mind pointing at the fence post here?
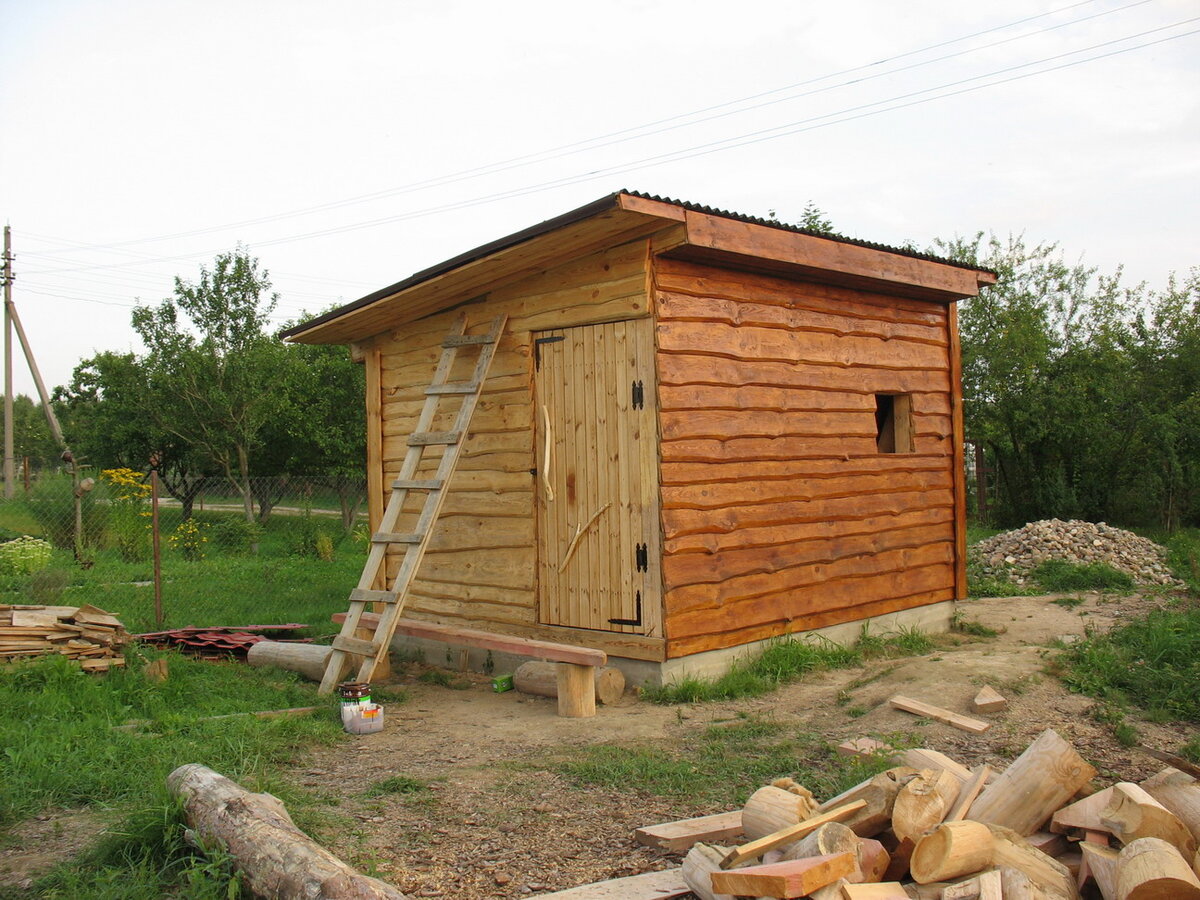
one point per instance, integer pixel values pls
(158, 607)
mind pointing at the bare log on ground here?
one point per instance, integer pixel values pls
(276, 858)
(1180, 793)
(879, 793)
(771, 808)
(1040, 781)
(1152, 869)
(952, 850)
(540, 678)
(305, 659)
(1133, 813)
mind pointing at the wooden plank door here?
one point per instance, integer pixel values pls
(598, 556)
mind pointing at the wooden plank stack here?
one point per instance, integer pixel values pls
(932, 829)
(84, 633)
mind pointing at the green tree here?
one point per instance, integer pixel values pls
(108, 420)
(212, 371)
(32, 439)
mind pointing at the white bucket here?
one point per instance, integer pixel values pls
(362, 718)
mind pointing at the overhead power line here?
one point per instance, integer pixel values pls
(648, 129)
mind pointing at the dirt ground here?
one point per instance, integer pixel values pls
(488, 829)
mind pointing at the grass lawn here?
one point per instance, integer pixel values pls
(58, 747)
(284, 582)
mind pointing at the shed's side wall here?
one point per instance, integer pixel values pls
(779, 513)
(480, 568)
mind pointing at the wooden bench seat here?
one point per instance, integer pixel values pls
(576, 665)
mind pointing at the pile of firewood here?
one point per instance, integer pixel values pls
(84, 633)
(931, 829)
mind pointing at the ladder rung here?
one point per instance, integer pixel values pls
(425, 438)
(468, 340)
(417, 484)
(354, 645)
(452, 387)
(359, 595)
(387, 537)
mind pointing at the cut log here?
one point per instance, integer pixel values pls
(1100, 867)
(1082, 815)
(1016, 885)
(305, 659)
(831, 838)
(878, 794)
(1150, 868)
(793, 878)
(576, 690)
(1048, 875)
(698, 868)
(1049, 843)
(1133, 813)
(664, 885)
(873, 859)
(1040, 780)
(540, 678)
(275, 857)
(1180, 793)
(984, 886)
(771, 808)
(989, 700)
(921, 758)
(887, 890)
(681, 835)
(788, 835)
(969, 792)
(952, 850)
(938, 714)
(923, 803)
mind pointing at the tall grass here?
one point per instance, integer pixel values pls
(1152, 662)
(60, 749)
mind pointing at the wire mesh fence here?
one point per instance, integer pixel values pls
(284, 548)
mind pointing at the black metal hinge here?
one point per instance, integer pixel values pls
(641, 555)
(636, 621)
(537, 348)
(639, 395)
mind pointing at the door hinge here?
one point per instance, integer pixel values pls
(641, 556)
(537, 347)
(639, 395)
(634, 621)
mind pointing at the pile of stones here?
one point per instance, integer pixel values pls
(1015, 554)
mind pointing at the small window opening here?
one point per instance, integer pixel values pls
(893, 423)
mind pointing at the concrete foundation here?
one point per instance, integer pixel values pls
(935, 618)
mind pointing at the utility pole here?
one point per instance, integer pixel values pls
(8, 370)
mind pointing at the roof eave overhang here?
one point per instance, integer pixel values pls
(708, 237)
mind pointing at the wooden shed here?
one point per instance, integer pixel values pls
(700, 431)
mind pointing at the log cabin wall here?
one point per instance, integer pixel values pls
(480, 568)
(780, 512)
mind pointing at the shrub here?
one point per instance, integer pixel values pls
(310, 538)
(24, 556)
(235, 535)
(189, 540)
(128, 521)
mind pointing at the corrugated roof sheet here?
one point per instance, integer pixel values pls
(583, 212)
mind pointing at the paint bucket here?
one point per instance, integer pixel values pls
(362, 718)
(359, 714)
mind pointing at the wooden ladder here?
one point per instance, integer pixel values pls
(346, 645)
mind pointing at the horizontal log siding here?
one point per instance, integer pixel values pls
(779, 514)
(480, 567)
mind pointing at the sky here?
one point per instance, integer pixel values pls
(350, 145)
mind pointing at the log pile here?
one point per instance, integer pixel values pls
(84, 633)
(931, 829)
